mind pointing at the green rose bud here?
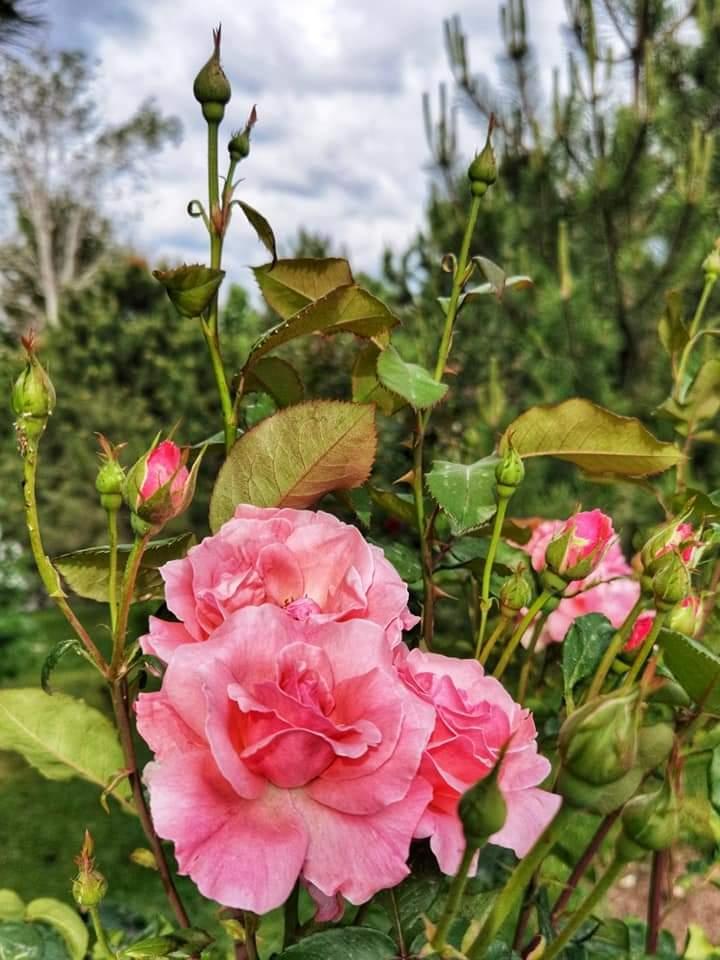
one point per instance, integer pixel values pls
(110, 480)
(598, 799)
(482, 809)
(191, 287)
(711, 263)
(212, 87)
(33, 395)
(515, 594)
(89, 886)
(509, 473)
(599, 742)
(239, 146)
(684, 615)
(676, 535)
(482, 172)
(654, 744)
(650, 822)
(671, 582)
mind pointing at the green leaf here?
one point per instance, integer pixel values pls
(261, 227)
(63, 919)
(366, 387)
(87, 572)
(346, 309)
(277, 378)
(594, 439)
(465, 493)
(395, 505)
(256, 407)
(61, 737)
(350, 943)
(671, 326)
(290, 285)
(30, 941)
(695, 668)
(297, 455)
(582, 650)
(12, 907)
(409, 380)
(703, 398)
(55, 656)
(404, 559)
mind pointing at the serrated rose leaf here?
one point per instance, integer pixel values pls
(594, 439)
(295, 456)
(290, 285)
(466, 493)
(410, 381)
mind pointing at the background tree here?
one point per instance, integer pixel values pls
(17, 18)
(58, 160)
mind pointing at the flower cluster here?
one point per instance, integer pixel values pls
(296, 736)
(609, 588)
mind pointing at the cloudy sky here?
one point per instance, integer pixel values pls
(339, 146)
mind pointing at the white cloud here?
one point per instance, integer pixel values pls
(339, 147)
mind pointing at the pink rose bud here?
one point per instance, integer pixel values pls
(160, 486)
(684, 616)
(580, 545)
(640, 630)
(677, 535)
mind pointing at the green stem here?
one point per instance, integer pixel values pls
(102, 942)
(48, 573)
(290, 912)
(527, 660)
(454, 898)
(512, 892)
(424, 533)
(211, 326)
(250, 924)
(616, 645)
(503, 624)
(121, 709)
(519, 631)
(127, 591)
(582, 913)
(458, 280)
(487, 572)
(112, 581)
(710, 281)
(644, 651)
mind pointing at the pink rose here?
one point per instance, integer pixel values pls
(307, 564)
(159, 486)
(475, 719)
(609, 589)
(641, 628)
(286, 750)
(580, 544)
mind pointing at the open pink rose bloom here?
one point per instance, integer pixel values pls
(296, 736)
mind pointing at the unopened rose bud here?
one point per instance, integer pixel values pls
(148, 949)
(654, 744)
(89, 886)
(671, 582)
(676, 535)
(239, 146)
(650, 822)
(580, 545)
(711, 263)
(110, 480)
(482, 809)
(509, 473)
(160, 486)
(211, 86)
(191, 287)
(515, 595)
(599, 742)
(684, 616)
(601, 799)
(33, 395)
(641, 628)
(482, 172)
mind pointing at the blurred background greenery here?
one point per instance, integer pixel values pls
(606, 196)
